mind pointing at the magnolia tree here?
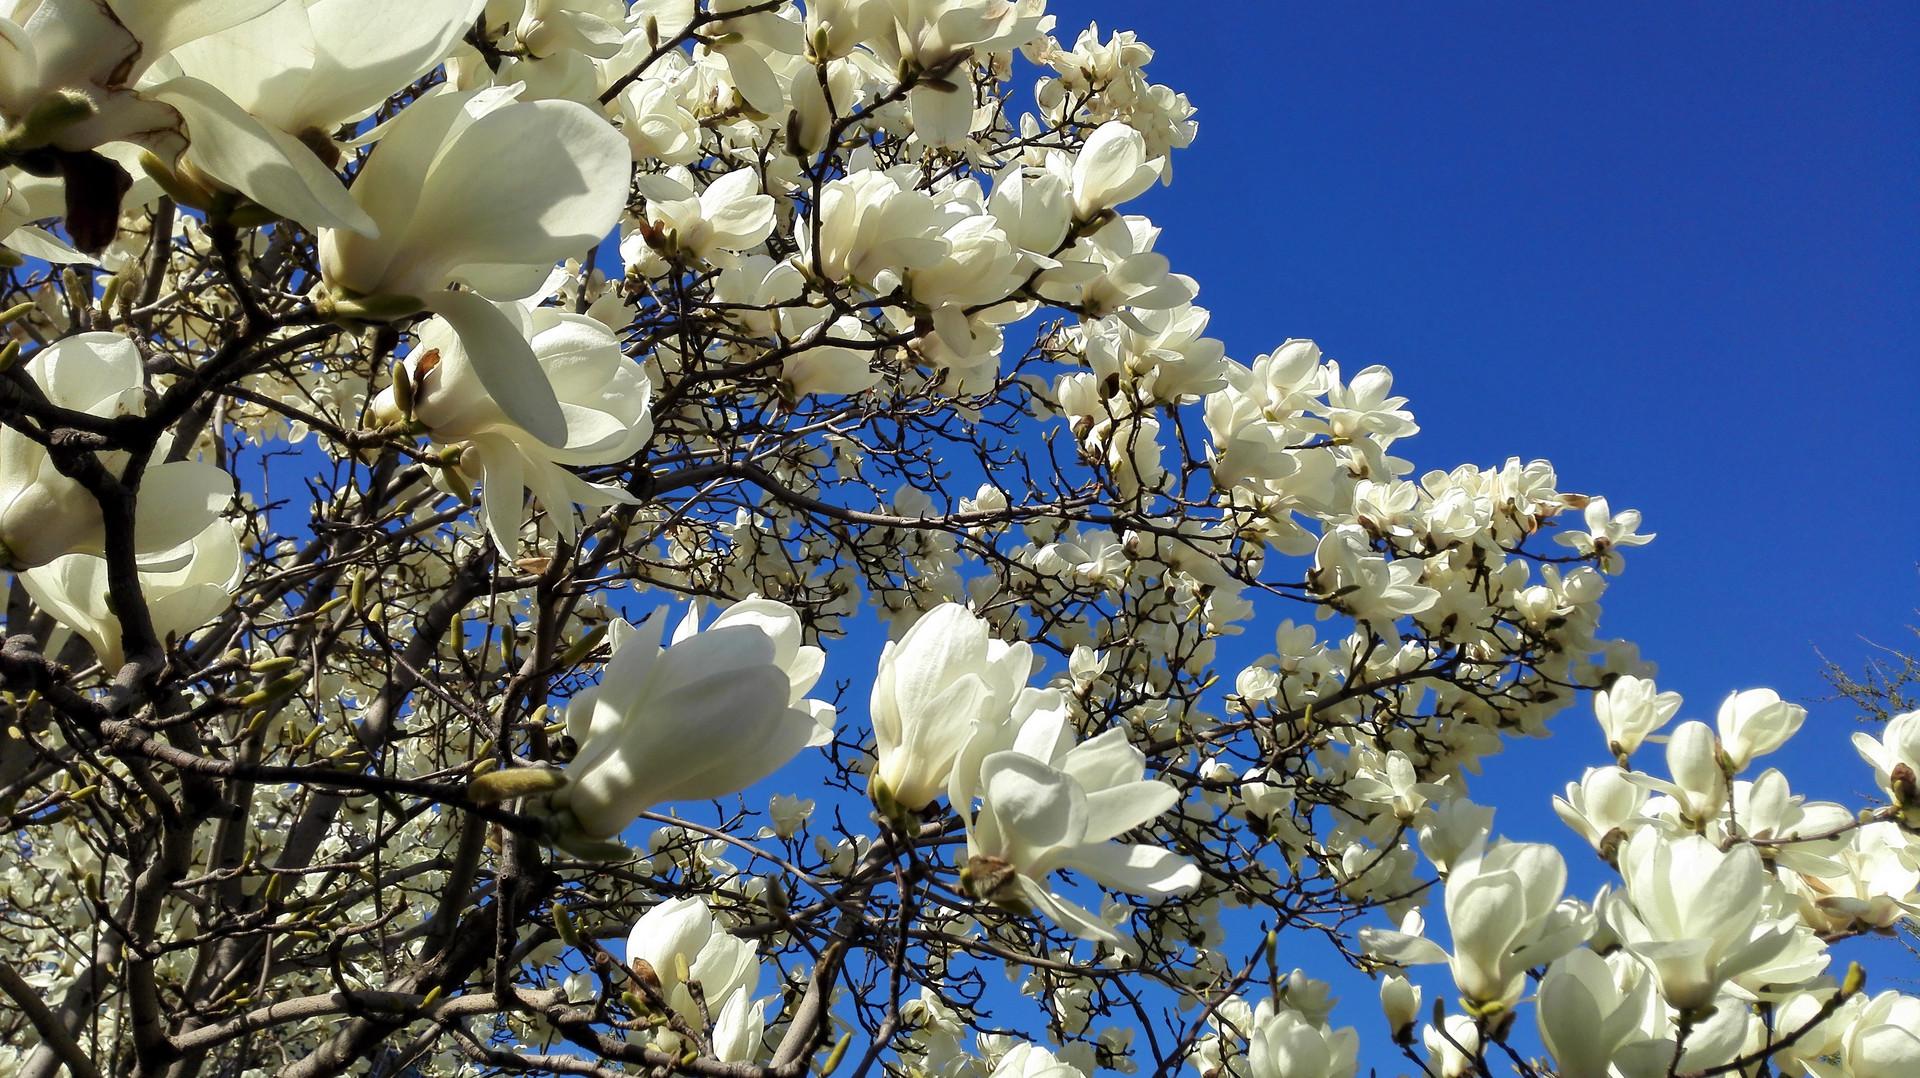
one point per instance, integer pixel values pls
(461, 462)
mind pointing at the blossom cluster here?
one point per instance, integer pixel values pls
(379, 376)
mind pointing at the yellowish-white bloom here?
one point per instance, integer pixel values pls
(1048, 804)
(264, 98)
(486, 192)
(1884, 1039)
(1589, 1007)
(1283, 1043)
(715, 711)
(1754, 723)
(1696, 916)
(604, 403)
(728, 216)
(946, 675)
(680, 934)
(45, 514)
(185, 588)
(1895, 757)
(1112, 168)
(68, 67)
(1630, 709)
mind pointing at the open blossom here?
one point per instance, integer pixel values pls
(944, 676)
(483, 191)
(872, 227)
(1283, 1043)
(1606, 533)
(1048, 804)
(1696, 916)
(713, 712)
(44, 513)
(1376, 590)
(728, 216)
(604, 399)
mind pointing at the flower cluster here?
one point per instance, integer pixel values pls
(377, 377)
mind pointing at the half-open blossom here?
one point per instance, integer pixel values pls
(1112, 167)
(1630, 709)
(680, 934)
(715, 711)
(1585, 1012)
(1895, 757)
(184, 588)
(947, 673)
(1754, 723)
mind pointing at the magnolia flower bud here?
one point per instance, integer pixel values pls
(1693, 759)
(1400, 1002)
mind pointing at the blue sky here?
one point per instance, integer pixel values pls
(1670, 250)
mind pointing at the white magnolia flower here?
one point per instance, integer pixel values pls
(1606, 533)
(1355, 578)
(1694, 915)
(480, 190)
(68, 67)
(25, 199)
(715, 711)
(264, 98)
(1630, 709)
(1283, 1043)
(1895, 757)
(1603, 802)
(1026, 1060)
(1506, 915)
(872, 227)
(1112, 168)
(729, 216)
(604, 401)
(1754, 723)
(1453, 1047)
(680, 934)
(1884, 1039)
(1589, 1007)
(45, 514)
(1047, 805)
(944, 676)
(185, 588)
